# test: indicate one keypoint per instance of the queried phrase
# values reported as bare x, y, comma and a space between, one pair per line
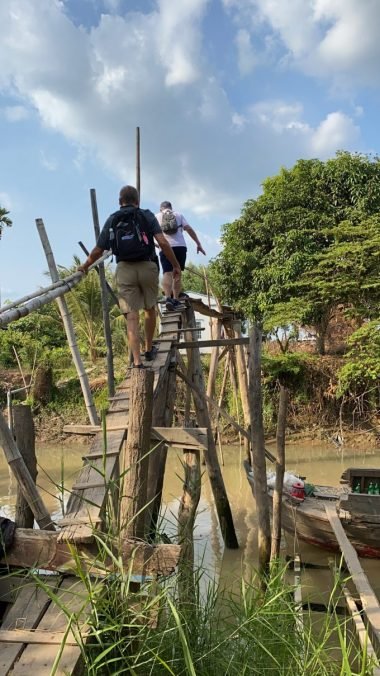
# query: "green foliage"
307, 244
193, 278
289, 368
361, 372
4, 219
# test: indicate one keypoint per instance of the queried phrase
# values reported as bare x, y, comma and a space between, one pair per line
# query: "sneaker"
151, 354
183, 295
172, 304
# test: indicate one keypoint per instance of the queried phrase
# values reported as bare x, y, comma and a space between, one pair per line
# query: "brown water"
320, 463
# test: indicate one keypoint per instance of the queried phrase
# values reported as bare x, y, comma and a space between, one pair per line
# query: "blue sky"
225, 93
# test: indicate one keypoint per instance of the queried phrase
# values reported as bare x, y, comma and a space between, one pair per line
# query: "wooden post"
138, 171
25, 439
163, 409
243, 381
258, 449
104, 296
220, 402
186, 517
233, 380
217, 326
23, 478
68, 324
134, 460
213, 468
280, 469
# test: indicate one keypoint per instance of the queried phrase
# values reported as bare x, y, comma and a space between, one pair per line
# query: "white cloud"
5, 201
16, 113
134, 69
246, 56
336, 39
48, 162
336, 131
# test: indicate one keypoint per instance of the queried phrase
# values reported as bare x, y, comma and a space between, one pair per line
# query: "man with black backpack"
130, 233
173, 225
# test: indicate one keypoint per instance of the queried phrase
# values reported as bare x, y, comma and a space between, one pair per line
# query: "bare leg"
150, 325
176, 288
133, 332
167, 283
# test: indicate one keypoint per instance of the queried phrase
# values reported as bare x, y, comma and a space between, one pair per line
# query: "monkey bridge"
115, 501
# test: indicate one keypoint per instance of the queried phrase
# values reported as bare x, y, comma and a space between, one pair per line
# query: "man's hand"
200, 249
176, 272
82, 268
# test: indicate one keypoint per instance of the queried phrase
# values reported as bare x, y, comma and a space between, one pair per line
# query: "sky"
225, 92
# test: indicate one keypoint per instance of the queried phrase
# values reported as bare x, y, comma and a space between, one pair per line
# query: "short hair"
128, 195
165, 205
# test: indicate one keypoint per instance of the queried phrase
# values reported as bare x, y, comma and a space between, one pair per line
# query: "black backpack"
169, 225
130, 236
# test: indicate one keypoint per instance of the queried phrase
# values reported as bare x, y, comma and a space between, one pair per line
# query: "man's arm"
92, 257
194, 237
169, 253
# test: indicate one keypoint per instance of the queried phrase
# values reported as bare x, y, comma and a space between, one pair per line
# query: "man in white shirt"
173, 225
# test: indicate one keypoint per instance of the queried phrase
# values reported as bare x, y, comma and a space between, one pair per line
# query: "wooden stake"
213, 468
258, 450
186, 517
104, 296
242, 375
138, 170
25, 438
134, 460
217, 326
68, 324
23, 478
280, 469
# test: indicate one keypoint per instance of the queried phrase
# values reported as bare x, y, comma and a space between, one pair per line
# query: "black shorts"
180, 254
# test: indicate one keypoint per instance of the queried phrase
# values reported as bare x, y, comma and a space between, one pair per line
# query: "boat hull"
308, 522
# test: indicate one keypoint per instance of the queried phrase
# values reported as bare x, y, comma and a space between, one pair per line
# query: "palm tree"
4, 220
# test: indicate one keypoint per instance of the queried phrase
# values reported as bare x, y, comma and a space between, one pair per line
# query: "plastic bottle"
356, 488
376, 490
371, 489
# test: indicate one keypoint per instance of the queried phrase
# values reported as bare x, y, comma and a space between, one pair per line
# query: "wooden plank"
32, 636
39, 659
25, 613
43, 549
361, 631
217, 342
178, 436
178, 330
368, 598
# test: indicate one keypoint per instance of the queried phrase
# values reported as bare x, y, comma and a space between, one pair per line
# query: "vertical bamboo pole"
23, 478
68, 324
104, 296
186, 517
25, 439
242, 375
217, 330
258, 449
211, 457
138, 167
280, 469
134, 460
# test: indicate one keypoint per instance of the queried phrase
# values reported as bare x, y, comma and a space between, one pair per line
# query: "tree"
193, 278
4, 220
307, 244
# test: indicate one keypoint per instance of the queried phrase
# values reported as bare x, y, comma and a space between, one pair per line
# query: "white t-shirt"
177, 239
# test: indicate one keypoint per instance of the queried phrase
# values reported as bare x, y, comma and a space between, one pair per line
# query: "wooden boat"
359, 512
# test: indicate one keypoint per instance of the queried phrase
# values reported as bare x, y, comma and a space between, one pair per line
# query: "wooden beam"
40, 549
217, 342
368, 598
32, 636
221, 411
176, 330
173, 436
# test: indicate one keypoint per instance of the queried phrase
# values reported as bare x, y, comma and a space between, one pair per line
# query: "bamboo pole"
217, 325
258, 450
134, 460
242, 375
112, 295
212, 464
138, 169
23, 478
280, 469
220, 401
25, 439
104, 296
68, 325
27, 304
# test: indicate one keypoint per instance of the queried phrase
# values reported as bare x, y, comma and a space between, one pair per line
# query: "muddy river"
319, 463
